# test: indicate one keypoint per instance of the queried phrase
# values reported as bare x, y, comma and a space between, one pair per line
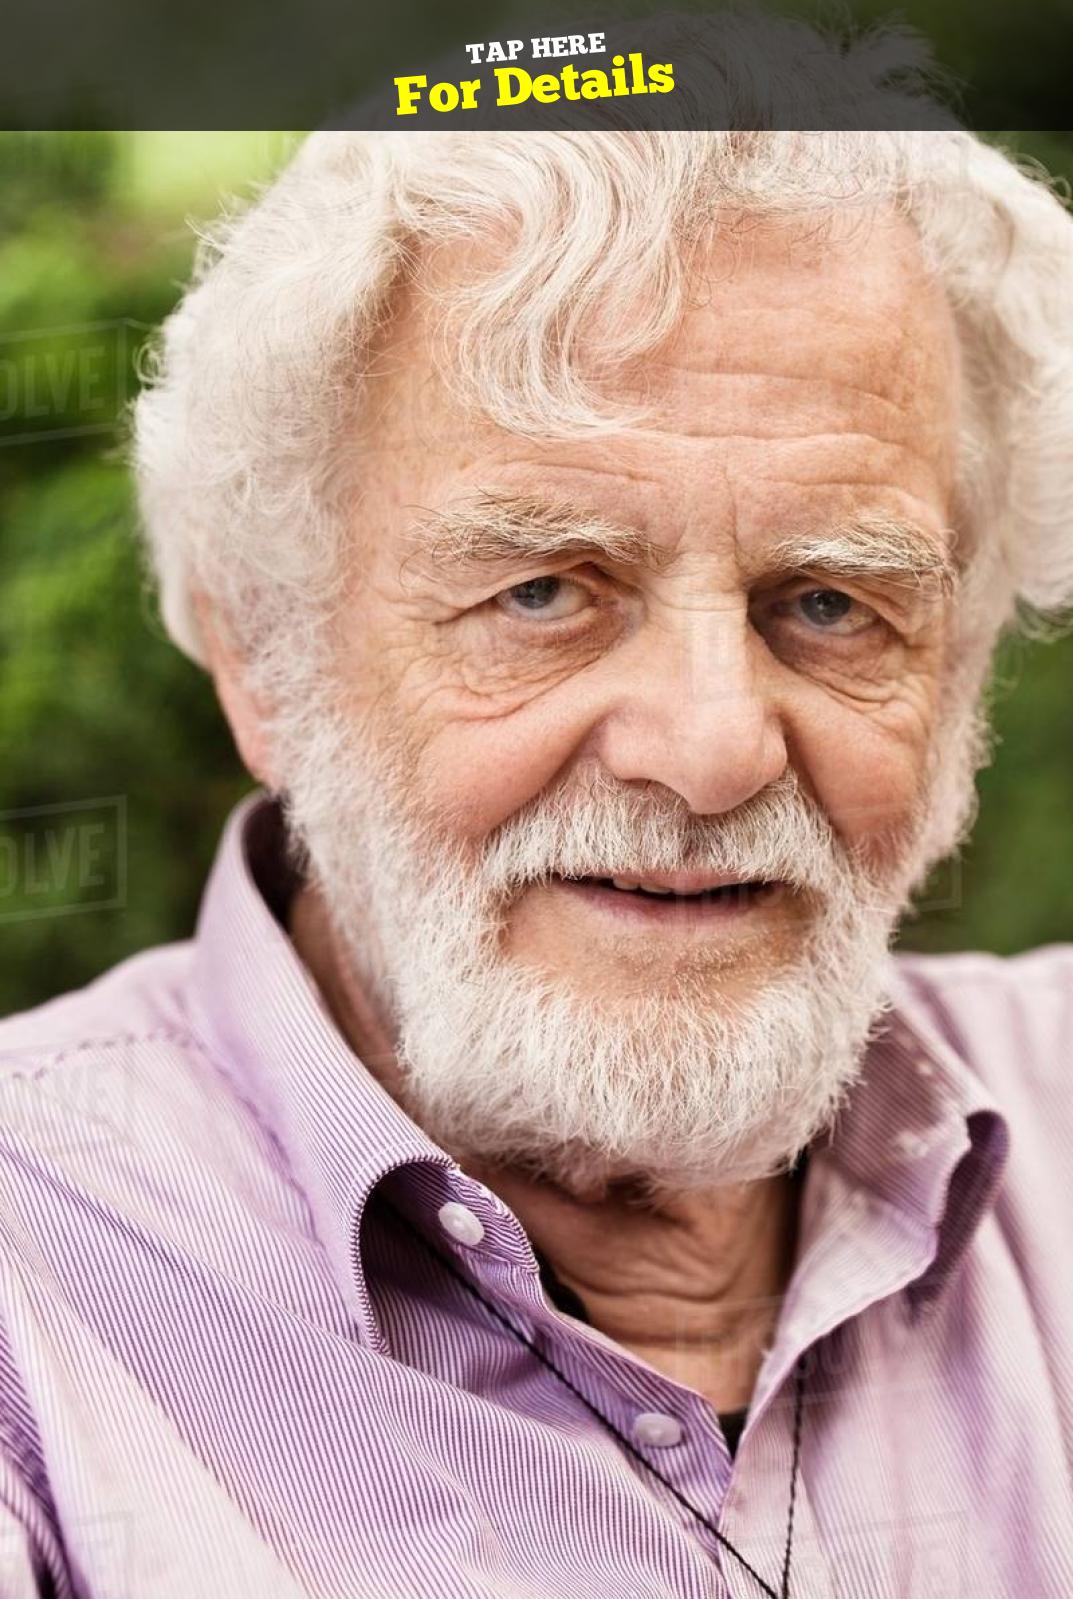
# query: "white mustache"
612, 830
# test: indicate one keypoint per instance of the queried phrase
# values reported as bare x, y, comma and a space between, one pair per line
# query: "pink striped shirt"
238, 1355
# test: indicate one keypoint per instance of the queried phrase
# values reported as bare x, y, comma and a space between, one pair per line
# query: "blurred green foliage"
96, 705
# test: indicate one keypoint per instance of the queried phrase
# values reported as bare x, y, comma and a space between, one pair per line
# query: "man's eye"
831, 611
551, 598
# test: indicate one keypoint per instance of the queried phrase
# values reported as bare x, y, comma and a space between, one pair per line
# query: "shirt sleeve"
31, 1562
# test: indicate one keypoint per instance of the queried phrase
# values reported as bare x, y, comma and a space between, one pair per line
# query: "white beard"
678, 1089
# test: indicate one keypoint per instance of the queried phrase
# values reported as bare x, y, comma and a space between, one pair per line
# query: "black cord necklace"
783, 1590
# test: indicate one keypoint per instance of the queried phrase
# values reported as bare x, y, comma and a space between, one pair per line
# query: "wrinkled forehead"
834, 311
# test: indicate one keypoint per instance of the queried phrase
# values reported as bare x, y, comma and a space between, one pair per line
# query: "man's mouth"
673, 892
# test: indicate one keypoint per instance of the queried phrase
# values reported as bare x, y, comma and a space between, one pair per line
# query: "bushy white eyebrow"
495, 529
872, 546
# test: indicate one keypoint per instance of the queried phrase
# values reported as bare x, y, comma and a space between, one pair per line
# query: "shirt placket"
684, 1461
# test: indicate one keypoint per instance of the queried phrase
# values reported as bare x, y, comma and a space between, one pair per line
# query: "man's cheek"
479, 773
874, 817
868, 787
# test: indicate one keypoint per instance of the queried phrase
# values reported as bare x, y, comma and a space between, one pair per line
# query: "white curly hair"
247, 453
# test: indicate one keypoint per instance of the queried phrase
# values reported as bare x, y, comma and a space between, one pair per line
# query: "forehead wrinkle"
491, 529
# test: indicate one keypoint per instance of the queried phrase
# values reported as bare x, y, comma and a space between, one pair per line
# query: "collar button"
461, 1224
656, 1429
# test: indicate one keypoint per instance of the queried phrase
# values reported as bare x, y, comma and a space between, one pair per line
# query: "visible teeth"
631, 884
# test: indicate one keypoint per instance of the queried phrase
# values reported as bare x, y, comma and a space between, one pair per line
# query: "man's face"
812, 388
730, 620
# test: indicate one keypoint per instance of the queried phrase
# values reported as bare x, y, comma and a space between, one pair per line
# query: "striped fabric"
239, 1355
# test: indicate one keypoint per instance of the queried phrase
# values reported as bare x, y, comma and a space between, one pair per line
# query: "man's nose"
694, 712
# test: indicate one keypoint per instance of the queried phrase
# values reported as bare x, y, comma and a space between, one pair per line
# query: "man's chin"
590, 1175
616, 988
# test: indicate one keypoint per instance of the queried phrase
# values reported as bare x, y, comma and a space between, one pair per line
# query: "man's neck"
692, 1283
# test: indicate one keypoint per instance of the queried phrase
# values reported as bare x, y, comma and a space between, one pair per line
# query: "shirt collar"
339, 1131
922, 1132
918, 1132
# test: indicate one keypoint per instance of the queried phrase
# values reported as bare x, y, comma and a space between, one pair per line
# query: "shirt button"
460, 1222
924, 1066
653, 1427
911, 1145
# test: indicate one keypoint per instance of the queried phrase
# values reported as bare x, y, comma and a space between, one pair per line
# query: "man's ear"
244, 712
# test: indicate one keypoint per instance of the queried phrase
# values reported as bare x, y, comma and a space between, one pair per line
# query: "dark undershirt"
731, 1421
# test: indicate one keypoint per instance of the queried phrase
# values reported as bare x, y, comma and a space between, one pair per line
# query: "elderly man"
535, 1177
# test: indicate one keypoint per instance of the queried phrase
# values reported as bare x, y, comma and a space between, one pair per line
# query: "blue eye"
546, 597
824, 606
831, 611
535, 594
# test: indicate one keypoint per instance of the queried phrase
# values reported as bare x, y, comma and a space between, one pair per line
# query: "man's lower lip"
671, 909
